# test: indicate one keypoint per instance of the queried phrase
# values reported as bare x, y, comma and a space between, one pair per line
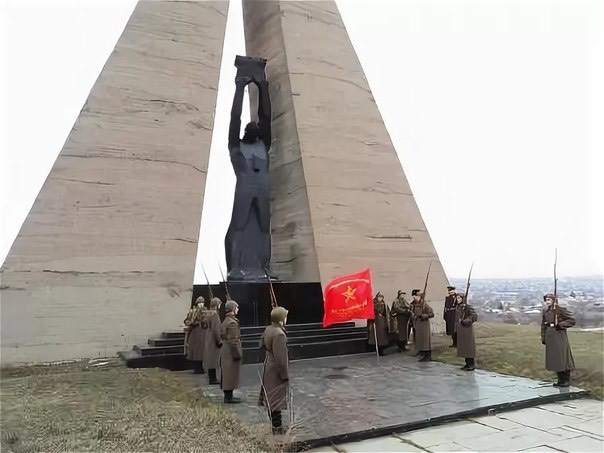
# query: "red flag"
348, 297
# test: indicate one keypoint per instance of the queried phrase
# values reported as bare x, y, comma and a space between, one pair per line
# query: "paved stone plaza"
570, 426
350, 398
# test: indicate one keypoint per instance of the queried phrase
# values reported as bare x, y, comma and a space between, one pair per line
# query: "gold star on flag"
349, 294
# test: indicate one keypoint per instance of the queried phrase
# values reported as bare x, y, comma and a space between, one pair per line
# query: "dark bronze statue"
248, 241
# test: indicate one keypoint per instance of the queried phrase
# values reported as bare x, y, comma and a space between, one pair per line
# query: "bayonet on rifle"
555, 303
274, 303
468, 285
423, 298
207, 283
226, 286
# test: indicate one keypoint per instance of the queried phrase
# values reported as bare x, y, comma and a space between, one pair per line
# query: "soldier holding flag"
380, 324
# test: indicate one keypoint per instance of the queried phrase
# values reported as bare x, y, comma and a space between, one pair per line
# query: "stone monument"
112, 236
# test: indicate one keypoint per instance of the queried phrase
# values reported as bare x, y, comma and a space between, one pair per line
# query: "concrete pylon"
340, 198
106, 256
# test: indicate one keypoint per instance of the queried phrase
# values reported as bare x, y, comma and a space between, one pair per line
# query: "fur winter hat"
278, 315
230, 306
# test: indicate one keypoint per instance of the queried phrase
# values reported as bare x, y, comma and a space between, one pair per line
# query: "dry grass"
517, 350
103, 406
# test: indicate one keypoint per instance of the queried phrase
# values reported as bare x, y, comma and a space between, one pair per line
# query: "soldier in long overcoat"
187, 326
558, 355
231, 352
275, 375
195, 339
465, 317
380, 323
401, 312
422, 312
449, 315
210, 323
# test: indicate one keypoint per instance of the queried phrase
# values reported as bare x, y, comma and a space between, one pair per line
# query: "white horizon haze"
495, 108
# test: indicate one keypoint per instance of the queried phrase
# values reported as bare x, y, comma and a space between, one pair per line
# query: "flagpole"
377, 353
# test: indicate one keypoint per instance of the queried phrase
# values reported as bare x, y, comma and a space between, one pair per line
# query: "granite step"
292, 336
259, 329
175, 359
304, 341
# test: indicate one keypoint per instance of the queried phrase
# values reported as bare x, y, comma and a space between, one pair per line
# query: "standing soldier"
465, 317
187, 326
195, 339
210, 322
422, 312
231, 353
449, 315
380, 324
275, 375
401, 311
558, 355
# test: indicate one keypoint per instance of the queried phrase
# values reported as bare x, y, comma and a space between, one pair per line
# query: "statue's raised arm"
235, 126
264, 113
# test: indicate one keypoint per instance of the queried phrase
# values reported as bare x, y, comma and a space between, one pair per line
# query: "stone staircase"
304, 341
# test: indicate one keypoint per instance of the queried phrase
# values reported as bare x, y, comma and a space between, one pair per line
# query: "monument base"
306, 336
303, 300
304, 341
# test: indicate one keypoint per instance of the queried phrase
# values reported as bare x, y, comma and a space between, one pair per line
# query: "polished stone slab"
558, 426
350, 398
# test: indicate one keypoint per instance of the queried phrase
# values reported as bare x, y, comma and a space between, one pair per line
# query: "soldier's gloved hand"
466, 323
558, 327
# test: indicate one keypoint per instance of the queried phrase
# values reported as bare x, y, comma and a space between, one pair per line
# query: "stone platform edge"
303, 445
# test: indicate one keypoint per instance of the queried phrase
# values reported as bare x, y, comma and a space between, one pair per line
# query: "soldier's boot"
212, 377
402, 346
565, 379
454, 339
560, 379
427, 356
469, 365
198, 367
229, 398
277, 423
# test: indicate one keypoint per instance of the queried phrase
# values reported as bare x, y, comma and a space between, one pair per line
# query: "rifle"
208, 283
468, 285
555, 304
271, 290
423, 297
226, 286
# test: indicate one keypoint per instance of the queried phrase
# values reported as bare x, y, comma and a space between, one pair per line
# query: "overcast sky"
494, 107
